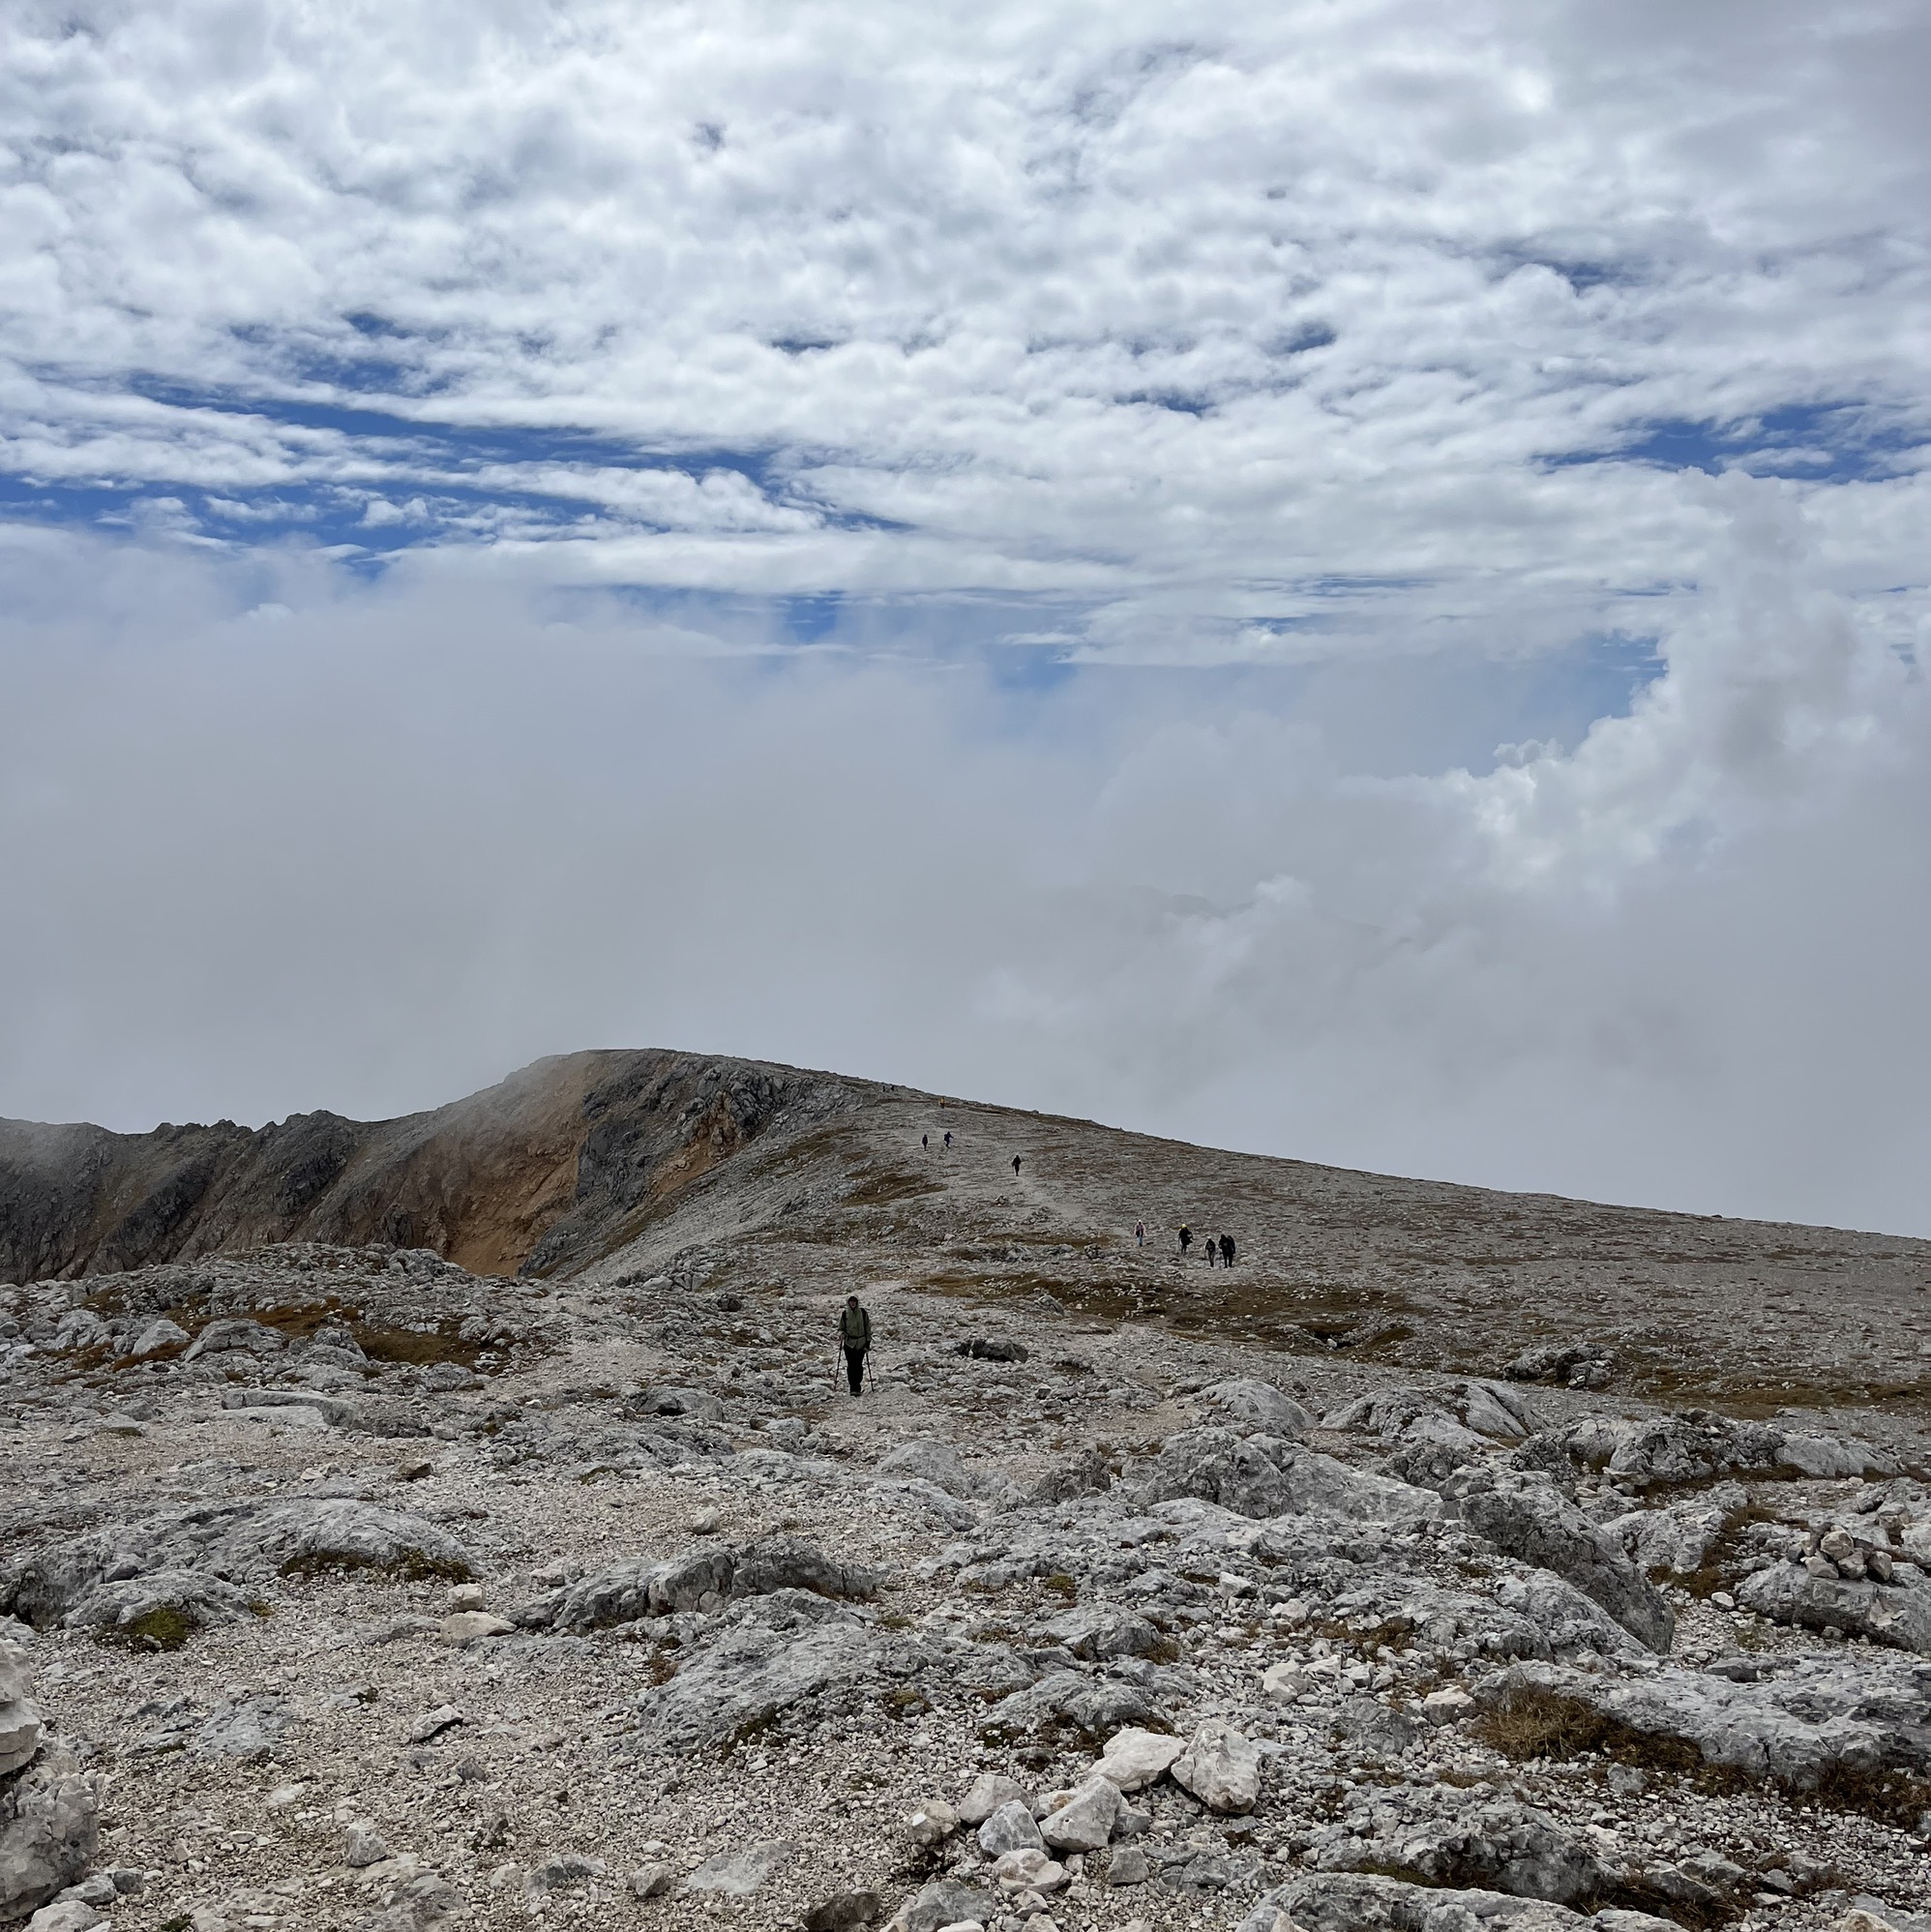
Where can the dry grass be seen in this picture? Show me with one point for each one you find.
(1718, 1568)
(422, 1347)
(881, 1187)
(1531, 1722)
(1536, 1723)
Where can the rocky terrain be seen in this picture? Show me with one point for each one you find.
(460, 1521)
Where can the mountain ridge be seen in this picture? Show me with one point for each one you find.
(484, 1181)
(617, 1164)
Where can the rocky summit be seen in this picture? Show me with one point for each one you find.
(463, 1520)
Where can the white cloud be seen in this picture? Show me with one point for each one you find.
(404, 836)
(1030, 246)
(1181, 429)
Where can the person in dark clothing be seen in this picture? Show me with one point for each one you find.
(1015, 1163)
(948, 1139)
(855, 1337)
(925, 1142)
(1186, 1238)
(1227, 1250)
(1211, 1250)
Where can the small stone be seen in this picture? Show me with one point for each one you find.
(416, 1469)
(989, 1791)
(1135, 1758)
(467, 1596)
(1221, 1767)
(945, 1902)
(934, 1821)
(363, 1845)
(1445, 1705)
(434, 1723)
(1010, 1829)
(65, 1915)
(1129, 1867)
(844, 1912)
(739, 1874)
(1085, 1821)
(1280, 1683)
(471, 1626)
(157, 1335)
(1028, 1870)
(19, 1719)
(650, 1881)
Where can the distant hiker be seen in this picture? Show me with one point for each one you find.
(1227, 1250)
(1015, 1163)
(855, 1337)
(948, 1139)
(1210, 1251)
(925, 1142)
(1140, 1234)
(1186, 1238)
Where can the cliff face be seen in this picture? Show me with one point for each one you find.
(541, 1172)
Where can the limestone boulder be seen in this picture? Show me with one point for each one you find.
(19, 1716)
(1135, 1759)
(1222, 1767)
(1260, 1408)
(49, 1831)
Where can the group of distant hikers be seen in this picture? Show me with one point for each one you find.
(1218, 1247)
(854, 1319)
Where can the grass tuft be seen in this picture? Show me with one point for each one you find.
(1536, 1723)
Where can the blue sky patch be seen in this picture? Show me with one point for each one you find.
(1818, 442)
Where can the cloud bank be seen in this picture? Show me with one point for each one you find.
(368, 845)
(1352, 585)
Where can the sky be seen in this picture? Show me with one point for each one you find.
(1346, 579)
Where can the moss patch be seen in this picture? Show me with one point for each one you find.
(410, 1566)
(165, 1627)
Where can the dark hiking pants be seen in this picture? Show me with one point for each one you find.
(854, 1368)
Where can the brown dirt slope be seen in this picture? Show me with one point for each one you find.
(526, 1176)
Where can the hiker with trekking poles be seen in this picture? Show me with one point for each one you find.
(855, 1337)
